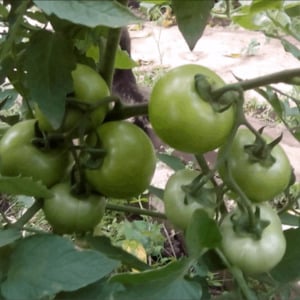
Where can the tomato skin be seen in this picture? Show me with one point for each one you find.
(129, 163)
(255, 256)
(260, 183)
(181, 118)
(176, 210)
(90, 87)
(18, 156)
(67, 213)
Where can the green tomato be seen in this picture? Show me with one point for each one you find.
(179, 212)
(181, 118)
(258, 181)
(18, 156)
(68, 213)
(250, 255)
(71, 119)
(90, 87)
(129, 163)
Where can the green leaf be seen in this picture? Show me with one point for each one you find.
(23, 186)
(168, 282)
(49, 61)
(103, 244)
(7, 236)
(292, 9)
(261, 5)
(43, 265)
(202, 234)
(159, 193)
(291, 48)
(192, 17)
(123, 60)
(101, 290)
(171, 161)
(288, 269)
(90, 13)
(290, 219)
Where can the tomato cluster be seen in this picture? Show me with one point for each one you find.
(88, 159)
(250, 164)
(82, 162)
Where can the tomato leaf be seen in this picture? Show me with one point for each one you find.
(156, 191)
(192, 18)
(55, 265)
(171, 161)
(23, 186)
(167, 282)
(90, 13)
(9, 235)
(100, 290)
(49, 62)
(288, 269)
(202, 234)
(103, 244)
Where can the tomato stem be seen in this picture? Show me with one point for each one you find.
(238, 276)
(135, 210)
(31, 211)
(283, 76)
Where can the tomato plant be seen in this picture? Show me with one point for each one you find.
(254, 255)
(68, 213)
(19, 156)
(129, 162)
(178, 207)
(259, 181)
(184, 120)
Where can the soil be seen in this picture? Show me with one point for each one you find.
(229, 51)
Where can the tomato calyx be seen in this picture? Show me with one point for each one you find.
(46, 141)
(260, 151)
(197, 192)
(246, 225)
(205, 90)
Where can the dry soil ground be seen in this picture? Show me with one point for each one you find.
(226, 50)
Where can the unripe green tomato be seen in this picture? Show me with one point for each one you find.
(68, 213)
(250, 255)
(18, 156)
(129, 162)
(90, 87)
(178, 212)
(258, 181)
(181, 118)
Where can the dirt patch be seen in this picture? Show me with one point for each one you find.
(227, 51)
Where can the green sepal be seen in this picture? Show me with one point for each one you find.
(242, 225)
(260, 151)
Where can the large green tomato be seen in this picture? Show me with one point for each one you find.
(90, 87)
(179, 212)
(181, 118)
(18, 156)
(258, 181)
(250, 255)
(68, 213)
(129, 163)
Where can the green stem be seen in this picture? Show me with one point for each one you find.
(283, 76)
(238, 276)
(122, 112)
(135, 210)
(31, 211)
